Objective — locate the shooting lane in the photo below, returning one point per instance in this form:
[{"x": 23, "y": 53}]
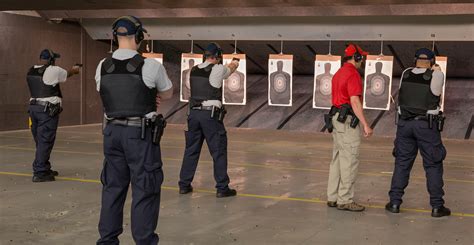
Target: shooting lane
[{"x": 278, "y": 153}]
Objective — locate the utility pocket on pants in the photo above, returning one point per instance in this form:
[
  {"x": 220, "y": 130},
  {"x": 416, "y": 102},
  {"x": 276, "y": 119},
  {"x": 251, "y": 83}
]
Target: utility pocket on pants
[
  {"x": 153, "y": 178},
  {"x": 438, "y": 153},
  {"x": 103, "y": 174}
]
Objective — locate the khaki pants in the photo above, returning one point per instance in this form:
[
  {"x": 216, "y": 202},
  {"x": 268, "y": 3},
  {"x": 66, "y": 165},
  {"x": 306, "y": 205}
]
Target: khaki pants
[{"x": 345, "y": 162}]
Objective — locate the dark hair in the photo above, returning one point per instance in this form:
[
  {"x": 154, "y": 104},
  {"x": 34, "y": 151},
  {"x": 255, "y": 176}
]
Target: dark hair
[{"x": 346, "y": 58}]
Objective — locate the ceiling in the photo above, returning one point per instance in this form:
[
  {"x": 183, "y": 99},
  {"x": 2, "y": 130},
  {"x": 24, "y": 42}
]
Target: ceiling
[{"x": 154, "y": 4}]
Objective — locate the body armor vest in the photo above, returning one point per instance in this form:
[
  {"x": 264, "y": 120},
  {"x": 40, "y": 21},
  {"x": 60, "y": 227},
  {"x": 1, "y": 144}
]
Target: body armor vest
[
  {"x": 122, "y": 90},
  {"x": 38, "y": 89},
  {"x": 201, "y": 88}
]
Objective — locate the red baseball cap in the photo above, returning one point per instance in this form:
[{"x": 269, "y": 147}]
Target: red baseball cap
[{"x": 351, "y": 49}]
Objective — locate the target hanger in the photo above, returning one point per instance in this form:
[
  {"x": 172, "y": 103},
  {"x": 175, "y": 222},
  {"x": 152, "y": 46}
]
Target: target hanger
[
  {"x": 235, "y": 43},
  {"x": 381, "y": 45},
  {"x": 152, "y": 44},
  {"x": 192, "y": 44},
  {"x": 281, "y": 47},
  {"x": 330, "y": 43},
  {"x": 235, "y": 46},
  {"x": 281, "y": 44},
  {"x": 433, "y": 45}
]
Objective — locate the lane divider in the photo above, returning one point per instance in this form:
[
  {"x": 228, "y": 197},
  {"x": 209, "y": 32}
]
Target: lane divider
[{"x": 282, "y": 198}]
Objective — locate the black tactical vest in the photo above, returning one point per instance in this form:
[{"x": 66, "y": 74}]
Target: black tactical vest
[
  {"x": 38, "y": 89},
  {"x": 415, "y": 97},
  {"x": 201, "y": 88},
  {"x": 122, "y": 90}
]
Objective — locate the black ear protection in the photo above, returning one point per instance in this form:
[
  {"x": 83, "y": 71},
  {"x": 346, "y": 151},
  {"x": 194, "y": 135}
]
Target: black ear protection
[
  {"x": 139, "y": 36},
  {"x": 357, "y": 56},
  {"x": 52, "y": 58}
]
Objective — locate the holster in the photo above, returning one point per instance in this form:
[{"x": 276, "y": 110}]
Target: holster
[
  {"x": 328, "y": 119},
  {"x": 53, "y": 109},
  {"x": 440, "y": 121},
  {"x": 344, "y": 111},
  {"x": 158, "y": 129},
  {"x": 218, "y": 113}
]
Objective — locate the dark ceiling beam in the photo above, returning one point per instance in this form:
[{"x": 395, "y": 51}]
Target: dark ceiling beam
[{"x": 148, "y": 9}]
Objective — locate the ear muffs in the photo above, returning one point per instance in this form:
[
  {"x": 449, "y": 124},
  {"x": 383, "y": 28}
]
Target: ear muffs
[
  {"x": 51, "y": 57},
  {"x": 357, "y": 56},
  {"x": 139, "y": 36}
]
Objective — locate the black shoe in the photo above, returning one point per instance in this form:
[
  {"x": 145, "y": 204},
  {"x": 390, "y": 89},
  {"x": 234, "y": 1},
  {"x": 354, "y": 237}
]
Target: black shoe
[
  {"x": 227, "y": 193},
  {"x": 185, "y": 190},
  {"x": 43, "y": 178},
  {"x": 332, "y": 204},
  {"x": 392, "y": 208},
  {"x": 53, "y": 173},
  {"x": 440, "y": 212}
]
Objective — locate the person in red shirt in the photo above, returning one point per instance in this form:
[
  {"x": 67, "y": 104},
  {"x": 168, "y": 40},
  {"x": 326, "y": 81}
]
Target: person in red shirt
[{"x": 346, "y": 95}]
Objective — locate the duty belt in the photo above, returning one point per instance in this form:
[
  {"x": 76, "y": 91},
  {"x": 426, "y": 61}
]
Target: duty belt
[
  {"x": 203, "y": 108},
  {"x": 39, "y": 102},
  {"x": 132, "y": 122}
]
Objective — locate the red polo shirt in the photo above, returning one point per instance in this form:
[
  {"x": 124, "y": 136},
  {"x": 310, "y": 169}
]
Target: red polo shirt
[{"x": 346, "y": 83}]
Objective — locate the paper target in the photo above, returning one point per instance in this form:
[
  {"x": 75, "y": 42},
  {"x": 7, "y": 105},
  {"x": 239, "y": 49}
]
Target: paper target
[
  {"x": 325, "y": 66},
  {"x": 378, "y": 82},
  {"x": 157, "y": 56},
  {"x": 187, "y": 62},
  {"x": 234, "y": 87},
  {"x": 280, "y": 72}
]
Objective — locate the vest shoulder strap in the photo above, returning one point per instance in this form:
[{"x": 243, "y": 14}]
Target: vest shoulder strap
[
  {"x": 108, "y": 65},
  {"x": 428, "y": 74},
  {"x": 407, "y": 72},
  {"x": 135, "y": 62},
  {"x": 209, "y": 67}
]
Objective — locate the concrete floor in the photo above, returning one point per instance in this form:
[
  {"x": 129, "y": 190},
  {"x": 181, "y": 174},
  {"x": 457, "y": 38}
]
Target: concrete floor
[{"x": 281, "y": 177}]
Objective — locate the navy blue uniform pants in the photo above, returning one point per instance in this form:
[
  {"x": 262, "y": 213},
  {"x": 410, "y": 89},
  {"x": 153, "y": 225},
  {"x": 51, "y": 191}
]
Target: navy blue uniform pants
[
  {"x": 130, "y": 159},
  {"x": 412, "y": 136},
  {"x": 43, "y": 128},
  {"x": 202, "y": 127}
]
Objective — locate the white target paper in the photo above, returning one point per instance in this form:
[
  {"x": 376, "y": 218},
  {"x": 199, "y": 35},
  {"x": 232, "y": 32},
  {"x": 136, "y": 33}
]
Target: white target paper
[
  {"x": 157, "y": 56},
  {"x": 234, "y": 88},
  {"x": 280, "y": 83},
  {"x": 325, "y": 66},
  {"x": 188, "y": 60},
  {"x": 378, "y": 82},
  {"x": 442, "y": 61}
]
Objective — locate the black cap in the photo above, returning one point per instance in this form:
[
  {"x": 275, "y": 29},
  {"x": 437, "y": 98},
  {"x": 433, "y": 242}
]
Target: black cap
[
  {"x": 213, "y": 49},
  {"x": 48, "y": 54},
  {"x": 129, "y": 22},
  {"x": 426, "y": 52}
]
